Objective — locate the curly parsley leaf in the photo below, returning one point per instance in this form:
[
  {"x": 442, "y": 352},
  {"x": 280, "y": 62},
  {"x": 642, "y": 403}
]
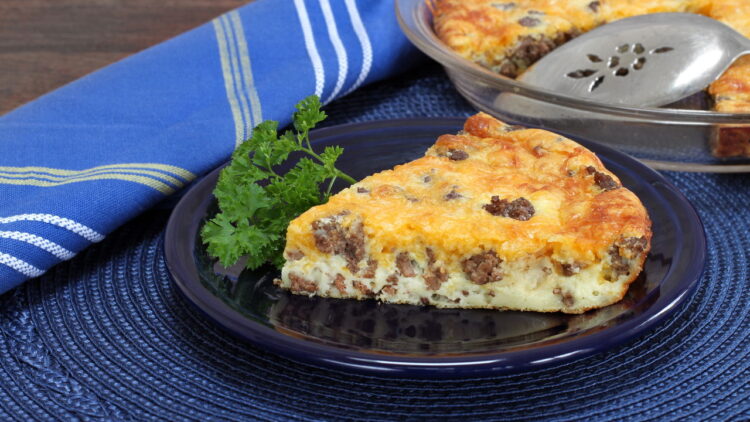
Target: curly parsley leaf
[{"x": 256, "y": 203}]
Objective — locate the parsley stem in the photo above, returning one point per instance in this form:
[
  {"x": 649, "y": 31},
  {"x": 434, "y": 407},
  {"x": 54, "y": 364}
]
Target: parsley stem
[
  {"x": 269, "y": 170},
  {"x": 330, "y": 186},
  {"x": 346, "y": 177},
  {"x": 340, "y": 173}
]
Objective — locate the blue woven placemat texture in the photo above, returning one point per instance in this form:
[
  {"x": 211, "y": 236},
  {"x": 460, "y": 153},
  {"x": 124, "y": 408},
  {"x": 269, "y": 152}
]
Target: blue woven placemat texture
[{"x": 106, "y": 336}]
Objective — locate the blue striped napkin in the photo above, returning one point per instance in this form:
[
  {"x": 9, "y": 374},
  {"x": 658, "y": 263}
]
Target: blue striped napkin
[{"x": 82, "y": 160}]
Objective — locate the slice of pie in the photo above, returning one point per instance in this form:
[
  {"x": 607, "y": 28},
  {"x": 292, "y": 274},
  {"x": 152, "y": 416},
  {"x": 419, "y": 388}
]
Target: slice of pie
[{"x": 495, "y": 217}]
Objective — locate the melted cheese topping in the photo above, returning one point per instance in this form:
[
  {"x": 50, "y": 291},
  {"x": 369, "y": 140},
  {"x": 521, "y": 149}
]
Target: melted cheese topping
[
  {"x": 573, "y": 219},
  {"x": 735, "y": 13},
  {"x": 619, "y": 9},
  {"x": 501, "y": 34}
]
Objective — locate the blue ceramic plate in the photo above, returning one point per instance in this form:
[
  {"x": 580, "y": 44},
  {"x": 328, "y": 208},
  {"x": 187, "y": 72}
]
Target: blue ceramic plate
[{"x": 408, "y": 340}]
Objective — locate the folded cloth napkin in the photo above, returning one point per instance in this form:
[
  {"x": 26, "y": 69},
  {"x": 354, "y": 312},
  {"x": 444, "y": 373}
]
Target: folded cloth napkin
[{"x": 82, "y": 160}]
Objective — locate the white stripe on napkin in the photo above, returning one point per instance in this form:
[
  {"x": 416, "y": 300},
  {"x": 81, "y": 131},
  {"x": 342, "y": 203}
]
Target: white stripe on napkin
[
  {"x": 42, "y": 181},
  {"x": 40, "y": 242},
  {"x": 178, "y": 171},
  {"x": 338, "y": 46},
  {"x": 235, "y": 64},
  {"x": 22, "y": 267},
  {"x": 247, "y": 73},
  {"x": 58, "y": 175},
  {"x": 66, "y": 223},
  {"x": 226, "y": 70},
  {"x": 312, "y": 49},
  {"x": 364, "y": 41}
]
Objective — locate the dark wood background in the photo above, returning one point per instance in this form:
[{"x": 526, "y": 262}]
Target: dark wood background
[{"x": 47, "y": 43}]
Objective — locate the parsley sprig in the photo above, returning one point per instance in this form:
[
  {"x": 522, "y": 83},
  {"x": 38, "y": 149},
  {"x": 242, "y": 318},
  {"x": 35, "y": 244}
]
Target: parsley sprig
[{"x": 256, "y": 202}]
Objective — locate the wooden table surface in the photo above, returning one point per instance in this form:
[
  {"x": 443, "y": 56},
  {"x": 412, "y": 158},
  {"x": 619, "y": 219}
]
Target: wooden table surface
[{"x": 47, "y": 43}]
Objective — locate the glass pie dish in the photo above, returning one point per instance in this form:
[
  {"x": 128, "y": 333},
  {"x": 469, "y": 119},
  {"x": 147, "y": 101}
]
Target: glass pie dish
[{"x": 670, "y": 138}]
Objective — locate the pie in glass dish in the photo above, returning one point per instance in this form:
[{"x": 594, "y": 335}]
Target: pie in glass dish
[{"x": 509, "y": 36}]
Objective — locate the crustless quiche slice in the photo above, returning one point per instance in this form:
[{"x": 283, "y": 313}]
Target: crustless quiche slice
[{"x": 495, "y": 217}]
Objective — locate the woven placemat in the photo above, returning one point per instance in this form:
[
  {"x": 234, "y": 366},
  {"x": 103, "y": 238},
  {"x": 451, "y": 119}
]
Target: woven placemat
[{"x": 106, "y": 335}]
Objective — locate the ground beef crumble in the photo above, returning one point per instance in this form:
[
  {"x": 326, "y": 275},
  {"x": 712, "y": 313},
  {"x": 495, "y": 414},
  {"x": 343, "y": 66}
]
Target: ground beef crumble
[
  {"x": 405, "y": 264},
  {"x": 570, "y": 269},
  {"x": 332, "y": 238},
  {"x": 300, "y": 284},
  {"x": 294, "y": 255},
  {"x": 635, "y": 245},
  {"x": 504, "y": 6},
  {"x": 435, "y": 278},
  {"x": 354, "y": 250},
  {"x": 338, "y": 283},
  {"x": 567, "y": 298},
  {"x": 435, "y": 275},
  {"x": 363, "y": 288},
  {"x": 457, "y": 154},
  {"x": 389, "y": 290},
  {"x": 518, "y": 209},
  {"x": 329, "y": 236},
  {"x": 483, "y": 268},
  {"x": 528, "y": 21},
  {"x": 452, "y": 195},
  {"x": 529, "y": 49},
  {"x": 369, "y": 271},
  {"x": 619, "y": 264},
  {"x": 603, "y": 180},
  {"x": 624, "y": 251}
]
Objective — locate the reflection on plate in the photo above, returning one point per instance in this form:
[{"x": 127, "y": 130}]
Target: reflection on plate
[
  {"x": 387, "y": 328},
  {"x": 425, "y": 341}
]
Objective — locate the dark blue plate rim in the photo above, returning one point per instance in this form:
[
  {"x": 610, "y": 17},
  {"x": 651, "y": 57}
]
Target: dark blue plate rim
[{"x": 184, "y": 272}]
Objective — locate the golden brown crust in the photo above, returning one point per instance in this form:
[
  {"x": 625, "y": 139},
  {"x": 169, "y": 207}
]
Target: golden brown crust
[
  {"x": 488, "y": 32},
  {"x": 731, "y": 94},
  {"x": 530, "y": 163},
  {"x": 508, "y": 36}
]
